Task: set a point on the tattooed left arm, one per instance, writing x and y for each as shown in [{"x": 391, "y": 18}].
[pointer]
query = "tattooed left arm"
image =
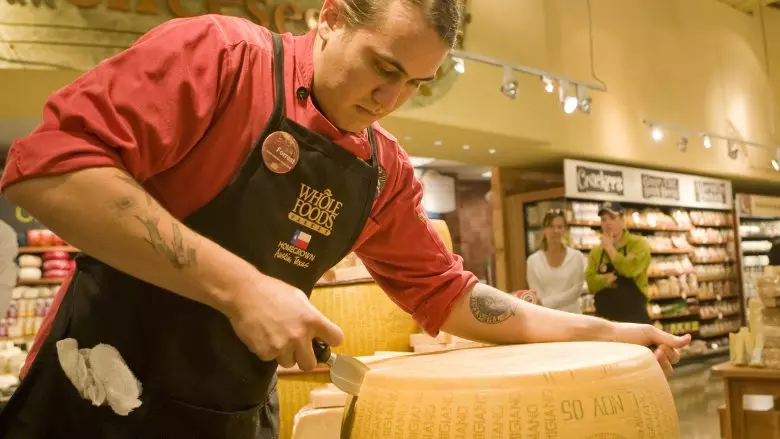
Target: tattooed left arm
[{"x": 489, "y": 315}]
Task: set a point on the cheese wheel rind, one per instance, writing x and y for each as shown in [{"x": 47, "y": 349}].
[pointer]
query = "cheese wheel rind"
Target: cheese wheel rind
[{"x": 553, "y": 390}]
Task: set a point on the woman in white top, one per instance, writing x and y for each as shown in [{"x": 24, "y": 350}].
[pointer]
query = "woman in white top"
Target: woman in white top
[{"x": 556, "y": 271}]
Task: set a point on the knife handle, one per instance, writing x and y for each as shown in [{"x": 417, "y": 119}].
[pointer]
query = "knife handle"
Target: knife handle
[{"x": 321, "y": 351}]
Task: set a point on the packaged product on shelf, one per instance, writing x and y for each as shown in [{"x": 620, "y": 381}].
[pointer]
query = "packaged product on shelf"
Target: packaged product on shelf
[
  {"x": 756, "y": 246},
  {"x": 705, "y": 235},
  {"x": 583, "y": 237},
  {"x": 710, "y": 218},
  {"x": 585, "y": 212},
  {"x": 682, "y": 218},
  {"x": 769, "y": 287},
  {"x": 763, "y": 228}
]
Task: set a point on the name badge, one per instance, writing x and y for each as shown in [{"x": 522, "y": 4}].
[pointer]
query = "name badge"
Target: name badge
[{"x": 280, "y": 152}]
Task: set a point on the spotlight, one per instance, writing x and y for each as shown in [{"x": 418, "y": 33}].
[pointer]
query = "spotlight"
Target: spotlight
[
  {"x": 460, "y": 66},
  {"x": 776, "y": 160},
  {"x": 585, "y": 101},
  {"x": 733, "y": 150},
  {"x": 682, "y": 145},
  {"x": 657, "y": 134},
  {"x": 509, "y": 87},
  {"x": 707, "y": 142},
  {"x": 549, "y": 86},
  {"x": 569, "y": 102}
]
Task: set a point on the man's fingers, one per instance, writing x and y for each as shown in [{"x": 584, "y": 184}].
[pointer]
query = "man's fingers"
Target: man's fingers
[
  {"x": 304, "y": 356},
  {"x": 328, "y": 331},
  {"x": 663, "y": 361},
  {"x": 664, "y": 338}
]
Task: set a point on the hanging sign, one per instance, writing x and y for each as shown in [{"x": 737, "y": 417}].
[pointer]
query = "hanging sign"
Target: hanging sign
[
  {"x": 758, "y": 205},
  {"x": 601, "y": 181}
]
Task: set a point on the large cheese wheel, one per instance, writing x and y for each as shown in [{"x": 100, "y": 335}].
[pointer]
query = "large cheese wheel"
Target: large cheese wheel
[{"x": 585, "y": 390}]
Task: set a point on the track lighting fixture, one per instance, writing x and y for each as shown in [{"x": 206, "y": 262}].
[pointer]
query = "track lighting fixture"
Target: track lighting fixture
[
  {"x": 707, "y": 138},
  {"x": 570, "y": 103},
  {"x": 509, "y": 87},
  {"x": 682, "y": 144},
  {"x": 733, "y": 149}
]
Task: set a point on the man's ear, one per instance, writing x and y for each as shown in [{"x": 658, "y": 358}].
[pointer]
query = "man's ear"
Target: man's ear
[{"x": 330, "y": 19}]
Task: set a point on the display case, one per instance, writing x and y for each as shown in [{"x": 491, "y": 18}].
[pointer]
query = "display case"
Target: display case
[{"x": 688, "y": 222}]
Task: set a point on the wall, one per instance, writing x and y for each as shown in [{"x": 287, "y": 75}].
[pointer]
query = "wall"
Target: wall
[{"x": 697, "y": 63}]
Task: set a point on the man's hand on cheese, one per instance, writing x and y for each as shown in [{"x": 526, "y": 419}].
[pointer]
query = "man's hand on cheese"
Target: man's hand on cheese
[
  {"x": 647, "y": 335},
  {"x": 277, "y": 321},
  {"x": 488, "y": 315}
]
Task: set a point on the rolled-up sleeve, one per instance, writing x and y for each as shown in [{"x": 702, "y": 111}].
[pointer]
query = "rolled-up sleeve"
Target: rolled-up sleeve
[
  {"x": 409, "y": 261},
  {"x": 141, "y": 110}
]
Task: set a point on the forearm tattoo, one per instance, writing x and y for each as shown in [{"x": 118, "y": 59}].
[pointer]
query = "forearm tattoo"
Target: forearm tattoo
[
  {"x": 491, "y": 307},
  {"x": 177, "y": 253}
]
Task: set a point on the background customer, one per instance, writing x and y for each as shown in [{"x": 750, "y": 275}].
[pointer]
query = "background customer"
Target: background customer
[
  {"x": 617, "y": 270},
  {"x": 556, "y": 271}
]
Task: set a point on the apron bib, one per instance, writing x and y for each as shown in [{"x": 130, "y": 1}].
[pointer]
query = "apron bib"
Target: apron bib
[
  {"x": 294, "y": 209},
  {"x": 624, "y": 302}
]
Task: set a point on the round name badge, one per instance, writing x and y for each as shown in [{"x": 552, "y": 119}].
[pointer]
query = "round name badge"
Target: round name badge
[
  {"x": 280, "y": 152},
  {"x": 602, "y": 268}
]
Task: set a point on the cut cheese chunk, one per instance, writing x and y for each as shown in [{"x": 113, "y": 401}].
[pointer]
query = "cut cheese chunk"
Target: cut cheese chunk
[
  {"x": 317, "y": 423},
  {"x": 583, "y": 390}
]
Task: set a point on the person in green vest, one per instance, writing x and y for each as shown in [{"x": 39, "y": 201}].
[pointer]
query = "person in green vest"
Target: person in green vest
[{"x": 617, "y": 270}]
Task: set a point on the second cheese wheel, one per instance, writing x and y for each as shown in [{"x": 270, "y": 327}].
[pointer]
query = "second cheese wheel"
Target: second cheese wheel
[{"x": 584, "y": 390}]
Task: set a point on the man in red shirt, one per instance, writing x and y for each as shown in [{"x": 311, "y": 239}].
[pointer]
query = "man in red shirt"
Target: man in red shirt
[{"x": 211, "y": 174}]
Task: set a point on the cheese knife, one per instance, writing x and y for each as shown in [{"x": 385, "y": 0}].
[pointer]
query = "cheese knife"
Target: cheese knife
[{"x": 346, "y": 372}]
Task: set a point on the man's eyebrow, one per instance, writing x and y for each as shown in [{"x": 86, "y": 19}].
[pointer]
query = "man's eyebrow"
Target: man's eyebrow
[{"x": 398, "y": 66}]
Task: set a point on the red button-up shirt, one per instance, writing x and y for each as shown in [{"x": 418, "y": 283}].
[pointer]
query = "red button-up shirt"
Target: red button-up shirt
[{"x": 181, "y": 108}]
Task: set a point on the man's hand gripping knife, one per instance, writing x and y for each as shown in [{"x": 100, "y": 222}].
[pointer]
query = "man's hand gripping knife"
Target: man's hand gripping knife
[{"x": 488, "y": 315}]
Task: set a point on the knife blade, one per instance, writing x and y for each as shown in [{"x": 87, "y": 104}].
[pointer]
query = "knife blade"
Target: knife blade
[{"x": 346, "y": 372}]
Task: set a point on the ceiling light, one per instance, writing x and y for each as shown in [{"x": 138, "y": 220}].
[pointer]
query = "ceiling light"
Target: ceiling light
[
  {"x": 466, "y": 147},
  {"x": 509, "y": 87},
  {"x": 707, "y": 142},
  {"x": 407, "y": 138},
  {"x": 437, "y": 142},
  {"x": 776, "y": 160},
  {"x": 585, "y": 101},
  {"x": 460, "y": 66},
  {"x": 491, "y": 151},
  {"x": 549, "y": 85},
  {"x": 487, "y": 174},
  {"x": 733, "y": 150},
  {"x": 657, "y": 134},
  {"x": 682, "y": 145},
  {"x": 569, "y": 102},
  {"x": 420, "y": 161}
]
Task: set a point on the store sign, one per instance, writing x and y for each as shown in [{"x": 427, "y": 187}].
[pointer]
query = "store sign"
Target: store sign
[
  {"x": 590, "y": 180},
  {"x": 660, "y": 188},
  {"x": 758, "y": 205},
  {"x": 600, "y": 181}
]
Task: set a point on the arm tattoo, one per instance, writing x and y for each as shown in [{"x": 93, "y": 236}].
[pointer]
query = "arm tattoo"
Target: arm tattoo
[
  {"x": 176, "y": 253},
  {"x": 491, "y": 307}
]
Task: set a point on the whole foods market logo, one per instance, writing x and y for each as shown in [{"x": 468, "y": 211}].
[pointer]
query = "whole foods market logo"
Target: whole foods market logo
[{"x": 599, "y": 180}]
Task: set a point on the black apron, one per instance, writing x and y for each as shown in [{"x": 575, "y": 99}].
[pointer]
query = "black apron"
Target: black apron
[
  {"x": 198, "y": 379},
  {"x": 624, "y": 302}
]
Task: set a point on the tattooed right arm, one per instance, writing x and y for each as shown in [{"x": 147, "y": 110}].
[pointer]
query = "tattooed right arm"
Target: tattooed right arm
[{"x": 119, "y": 223}]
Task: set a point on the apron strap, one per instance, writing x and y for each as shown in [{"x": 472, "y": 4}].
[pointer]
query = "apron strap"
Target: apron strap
[{"x": 278, "y": 63}]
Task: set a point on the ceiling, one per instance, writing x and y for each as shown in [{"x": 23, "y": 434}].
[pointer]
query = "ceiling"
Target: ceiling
[{"x": 751, "y": 6}]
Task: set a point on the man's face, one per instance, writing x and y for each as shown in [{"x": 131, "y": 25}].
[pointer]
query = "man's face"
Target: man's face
[
  {"x": 612, "y": 224},
  {"x": 362, "y": 74}
]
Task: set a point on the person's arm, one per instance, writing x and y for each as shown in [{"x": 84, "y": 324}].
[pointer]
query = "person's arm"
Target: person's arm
[
  {"x": 636, "y": 261},
  {"x": 135, "y": 115},
  {"x": 596, "y": 281}
]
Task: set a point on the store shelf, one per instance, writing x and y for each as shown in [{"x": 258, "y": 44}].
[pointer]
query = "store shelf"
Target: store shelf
[
  {"x": 48, "y": 249},
  {"x": 31, "y": 282},
  {"x": 714, "y": 278}
]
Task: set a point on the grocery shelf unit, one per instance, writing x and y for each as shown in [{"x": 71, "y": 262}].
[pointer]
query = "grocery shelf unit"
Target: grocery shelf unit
[
  {"x": 693, "y": 276},
  {"x": 758, "y": 223}
]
